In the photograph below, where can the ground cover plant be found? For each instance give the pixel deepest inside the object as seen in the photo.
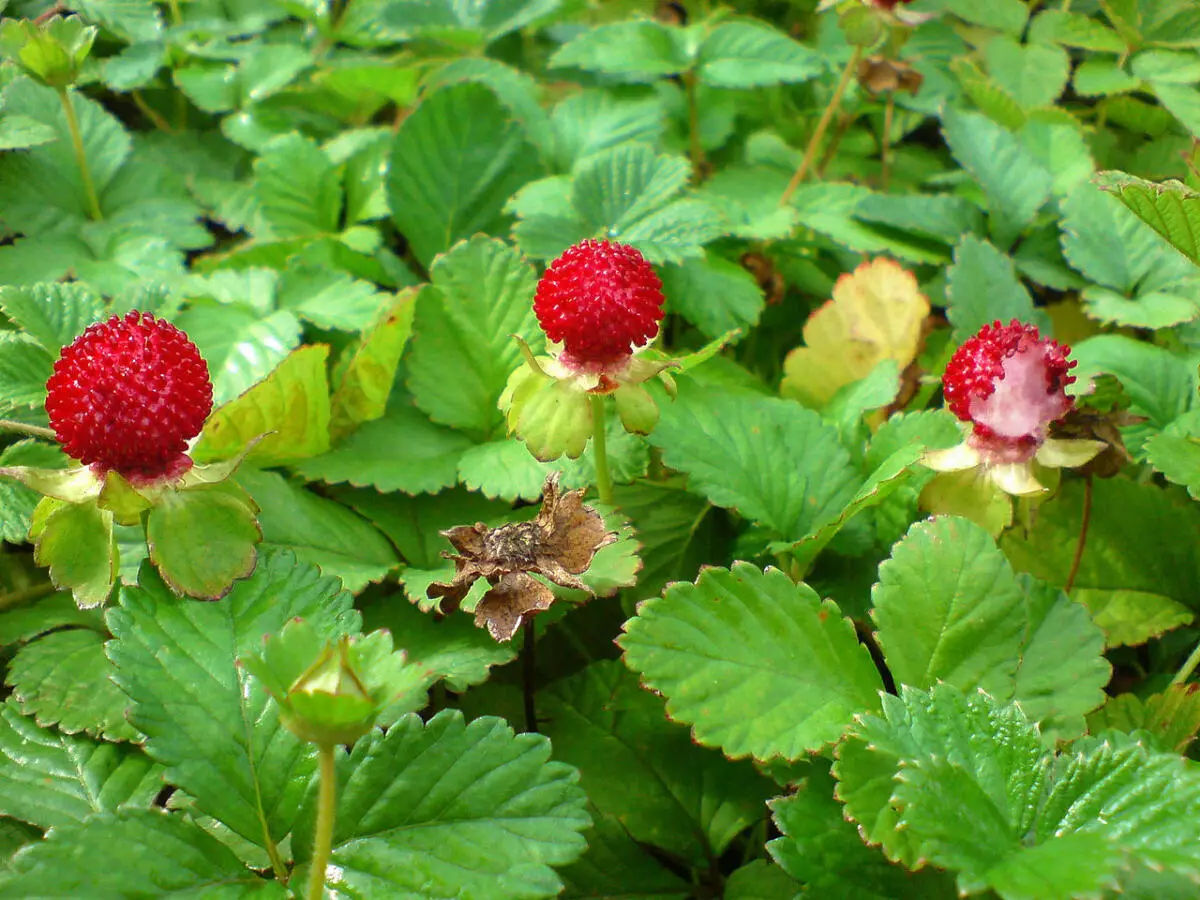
(524, 448)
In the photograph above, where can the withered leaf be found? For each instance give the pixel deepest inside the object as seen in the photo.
(559, 544)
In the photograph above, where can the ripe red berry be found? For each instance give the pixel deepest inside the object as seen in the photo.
(889, 5)
(127, 395)
(1010, 384)
(600, 300)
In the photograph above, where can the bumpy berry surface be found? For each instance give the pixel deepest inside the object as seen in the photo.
(127, 396)
(600, 300)
(1010, 383)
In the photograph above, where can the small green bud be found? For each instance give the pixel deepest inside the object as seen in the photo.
(52, 53)
(862, 25)
(332, 692)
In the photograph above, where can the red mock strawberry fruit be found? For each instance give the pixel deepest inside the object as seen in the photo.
(600, 300)
(1010, 384)
(127, 395)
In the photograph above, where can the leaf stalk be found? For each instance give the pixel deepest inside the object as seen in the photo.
(80, 155)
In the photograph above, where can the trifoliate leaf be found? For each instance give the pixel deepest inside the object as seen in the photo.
(645, 771)
(472, 810)
(771, 460)
(169, 854)
(443, 189)
(463, 349)
(987, 629)
(967, 781)
(291, 407)
(205, 720)
(51, 779)
(743, 636)
(64, 679)
(875, 314)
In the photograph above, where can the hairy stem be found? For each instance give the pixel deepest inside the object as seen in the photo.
(326, 810)
(695, 150)
(884, 154)
(31, 430)
(1083, 530)
(835, 103)
(529, 671)
(600, 450)
(80, 156)
(1189, 666)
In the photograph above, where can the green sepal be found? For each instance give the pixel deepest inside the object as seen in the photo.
(123, 500)
(862, 26)
(332, 693)
(75, 485)
(552, 416)
(77, 543)
(215, 473)
(52, 53)
(203, 539)
(636, 407)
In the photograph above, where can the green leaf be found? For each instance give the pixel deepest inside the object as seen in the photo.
(24, 370)
(291, 407)
(759, 880)
(205, 720)
(1004, 15)
(51, 779)
(403, 451)
(820, 848)
(449, 648)
(298, 188)
(594, 120)
(241, 345)
(1161, 385)
(745, 53)
(463, 349)
(472, 810)
(773, 460)
(1133, 617)
(456, 161)
(748, 201)
(319, 532)
(53, 314)
(18, 502)
(330, 299)
(713, 294)
(644, 771)
(23, 132)
(23, 623)
(1015, 183)
(64, 679)
(464, 25)
(1178, 458)
(1112, 247)
(1074, 29)
(641, 49)
(1102, 77)
(75, 540)
(1035, 74)
(1171, 717)
(363, 385)
(746, 639)
(629, 193)
(986, 630)
(1123, 549)
(978, 795)
(616, 866)
(203, 539)
(1171, 208)
(168, 855)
